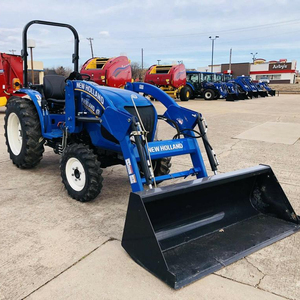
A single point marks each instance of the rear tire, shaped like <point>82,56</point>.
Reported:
<point>192,96</point>
<point>162,167</point>
<point>185,93</point>
<point>81,173</point>
<point>24,140</point>
<point>209,94</point>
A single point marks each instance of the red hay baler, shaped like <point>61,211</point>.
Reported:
<point>11,75</point>
<point>170,78</point>
<point>113,72</point>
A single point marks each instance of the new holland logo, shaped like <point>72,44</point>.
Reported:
<point>87,88</point>
<point>166,147</point>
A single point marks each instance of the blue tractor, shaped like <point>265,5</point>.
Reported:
<point>232,86</point>
<point>201,85</point>
<point>180,232</point>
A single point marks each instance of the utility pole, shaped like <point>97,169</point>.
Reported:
<point>91,44</point>
<point>230,54</point>
<point>158,61</point>
<point>142,59</point>
<point>12,51</point>
<point>212,50</point>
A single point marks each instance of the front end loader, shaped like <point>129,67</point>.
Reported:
<point>264,86</point>
<point>180,232</point>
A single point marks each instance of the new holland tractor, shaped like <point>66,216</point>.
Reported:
<point>202,84</point>
<point>180,232</point>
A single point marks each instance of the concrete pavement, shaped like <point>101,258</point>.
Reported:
<point>54,247</point>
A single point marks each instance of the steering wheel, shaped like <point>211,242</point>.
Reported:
<point>87,77</point>
<point>78,76</point>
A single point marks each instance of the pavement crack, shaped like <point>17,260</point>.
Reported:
<point>69,267</point>
<point>243,283</point>
<point>260,280</point>
<point>260,271</point>
<point>230,148</point>
<point>250,263</point>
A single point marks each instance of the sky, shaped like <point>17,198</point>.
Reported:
<point>169,31</point>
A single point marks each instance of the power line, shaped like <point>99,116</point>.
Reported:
<point>219,31</point>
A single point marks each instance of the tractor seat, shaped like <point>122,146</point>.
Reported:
<point>54,89</point>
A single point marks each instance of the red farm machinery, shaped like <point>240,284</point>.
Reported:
<point>11,75</point>
<point>169,78</point>
<point>113,72</point>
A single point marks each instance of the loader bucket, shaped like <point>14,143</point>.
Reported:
<point>231,97</point>
<point>242,96</point>
<point>250,94</point>
<point>272,92</point>
<point>263,93</point>
<point>186,231</point>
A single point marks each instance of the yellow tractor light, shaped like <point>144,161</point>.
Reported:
<point>16,84</point>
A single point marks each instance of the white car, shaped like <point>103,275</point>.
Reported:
<point>264,79</point>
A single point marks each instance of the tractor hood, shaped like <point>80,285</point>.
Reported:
<point>107,95</point>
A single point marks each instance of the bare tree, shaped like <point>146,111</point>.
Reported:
<point>64,71</point>
<point>137,72</point>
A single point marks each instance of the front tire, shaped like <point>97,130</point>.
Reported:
<point>24,141</point>
<point>81,173</point>
<point>185,93</point>
<point>209,94</point>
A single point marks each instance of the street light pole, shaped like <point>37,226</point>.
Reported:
<point>142,59</point>
<point>91,45</point>
<point>253,56</point>
<point>212,50</point>
<point>158,61</point>
<point>31,45</point>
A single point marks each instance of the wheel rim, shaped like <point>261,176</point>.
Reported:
<point>187,94</point>
<point>208,95</point>
<point>75,174</point>
<point>14,134</point>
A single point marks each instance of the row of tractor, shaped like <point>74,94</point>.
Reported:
<point>175,80</point>
<point>179,83</point>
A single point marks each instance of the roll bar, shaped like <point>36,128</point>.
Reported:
<point>24,53</point>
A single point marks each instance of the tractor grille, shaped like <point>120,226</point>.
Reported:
<point>147,115</point>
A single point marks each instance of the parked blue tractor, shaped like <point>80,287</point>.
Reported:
<point>180,232</point>
<point>201,85</point>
